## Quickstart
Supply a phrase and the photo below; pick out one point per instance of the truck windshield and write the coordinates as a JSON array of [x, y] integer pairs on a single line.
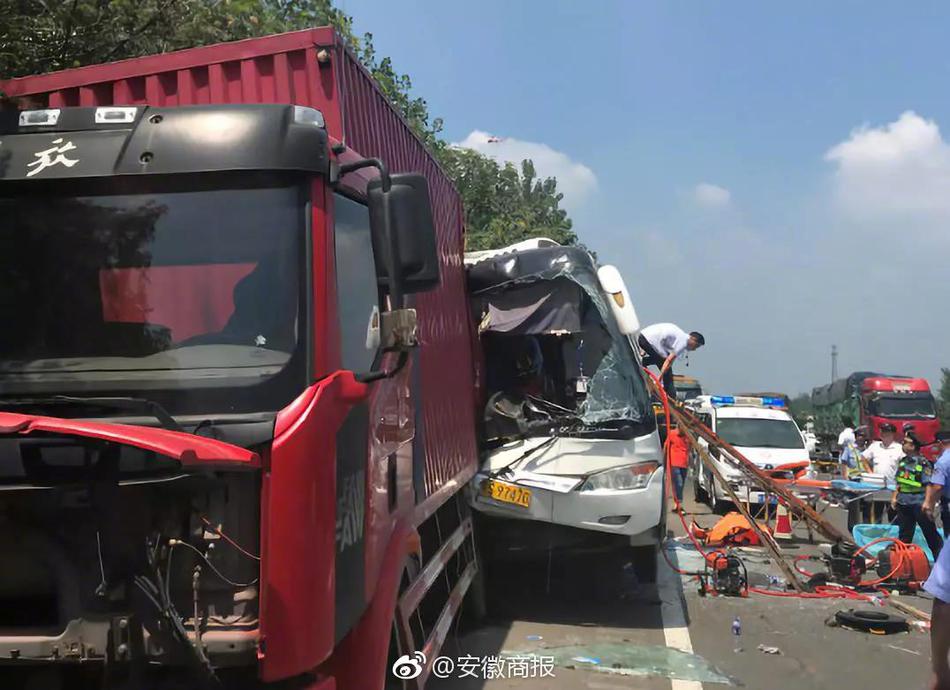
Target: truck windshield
[[760, 433], [902, 406], [688, 391], [163, 289]]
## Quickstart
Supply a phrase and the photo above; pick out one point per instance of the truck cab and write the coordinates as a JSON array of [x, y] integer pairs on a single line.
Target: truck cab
[[868, 400], [570, 457], [907, 403], [758, 427], [687, 387], [225, 457]]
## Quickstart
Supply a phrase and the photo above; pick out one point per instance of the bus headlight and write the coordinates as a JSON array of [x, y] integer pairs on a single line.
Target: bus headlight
[[624, 478]]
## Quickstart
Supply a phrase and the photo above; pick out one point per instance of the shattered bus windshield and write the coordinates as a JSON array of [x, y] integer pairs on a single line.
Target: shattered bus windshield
[[158, 289], [553, 340]]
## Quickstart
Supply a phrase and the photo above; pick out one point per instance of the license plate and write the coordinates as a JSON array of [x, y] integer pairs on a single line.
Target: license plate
[[506, 493], [757, 497]]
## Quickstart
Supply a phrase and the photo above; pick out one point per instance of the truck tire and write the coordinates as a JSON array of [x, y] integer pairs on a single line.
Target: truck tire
[[475, 606], [876, 622]]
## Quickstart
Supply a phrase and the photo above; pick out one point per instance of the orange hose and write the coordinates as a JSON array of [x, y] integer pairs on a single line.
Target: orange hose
[[668, 481]]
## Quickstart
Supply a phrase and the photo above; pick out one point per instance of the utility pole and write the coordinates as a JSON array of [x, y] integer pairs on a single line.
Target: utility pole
[[834, 363]]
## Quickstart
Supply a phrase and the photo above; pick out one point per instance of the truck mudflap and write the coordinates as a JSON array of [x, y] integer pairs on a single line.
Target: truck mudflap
[[189, 450]]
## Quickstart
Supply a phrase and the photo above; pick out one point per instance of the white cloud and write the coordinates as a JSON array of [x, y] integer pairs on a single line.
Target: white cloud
[[899, 172], [575, 180], [708, 194]]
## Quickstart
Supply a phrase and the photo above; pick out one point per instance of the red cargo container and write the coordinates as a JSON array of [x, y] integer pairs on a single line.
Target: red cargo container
[[322, 609]]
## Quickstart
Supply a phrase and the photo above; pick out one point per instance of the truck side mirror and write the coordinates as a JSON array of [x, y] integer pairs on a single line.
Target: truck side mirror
[[410, 219], [619, 299]]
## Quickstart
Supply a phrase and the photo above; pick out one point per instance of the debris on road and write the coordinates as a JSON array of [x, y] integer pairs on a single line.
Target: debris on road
[[769, 650], [585, 660], [632, 660], [874, 622]]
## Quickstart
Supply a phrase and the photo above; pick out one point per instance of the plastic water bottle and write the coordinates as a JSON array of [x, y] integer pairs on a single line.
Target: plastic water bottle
[[737, 633]]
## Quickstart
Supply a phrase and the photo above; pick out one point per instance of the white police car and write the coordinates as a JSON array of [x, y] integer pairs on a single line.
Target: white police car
[[758, 427]]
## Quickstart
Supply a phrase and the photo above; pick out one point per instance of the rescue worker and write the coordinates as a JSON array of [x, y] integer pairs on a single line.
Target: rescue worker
[[882, 456], [661, 343], [912, 477], [939, 489], [678, 450]]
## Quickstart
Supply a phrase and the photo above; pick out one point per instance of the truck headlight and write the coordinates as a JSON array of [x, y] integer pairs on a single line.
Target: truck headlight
[[621, 478]]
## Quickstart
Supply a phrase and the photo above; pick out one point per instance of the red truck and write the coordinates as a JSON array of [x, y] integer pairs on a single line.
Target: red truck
[[868, 400], [236, 392]]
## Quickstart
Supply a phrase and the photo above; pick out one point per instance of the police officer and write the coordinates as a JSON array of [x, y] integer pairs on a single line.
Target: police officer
[[912, 477], [939, 489]]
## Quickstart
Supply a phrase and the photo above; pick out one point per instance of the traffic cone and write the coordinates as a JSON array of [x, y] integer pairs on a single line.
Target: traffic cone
[[783, 524]]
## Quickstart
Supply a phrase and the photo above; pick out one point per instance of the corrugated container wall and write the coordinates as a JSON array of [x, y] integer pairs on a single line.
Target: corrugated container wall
[[285, 69]]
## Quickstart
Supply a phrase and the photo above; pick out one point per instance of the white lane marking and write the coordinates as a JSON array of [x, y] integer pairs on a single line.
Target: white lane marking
[[669, 587]]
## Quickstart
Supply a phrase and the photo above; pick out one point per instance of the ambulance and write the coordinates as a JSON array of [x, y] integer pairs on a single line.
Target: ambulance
[[760, 428]]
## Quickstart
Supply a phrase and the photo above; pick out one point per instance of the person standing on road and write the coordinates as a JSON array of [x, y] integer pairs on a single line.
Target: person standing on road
[[883, 457], [678, 450], [938, 584], [662, 343], [912, 477], [846, 449], [939, 489]]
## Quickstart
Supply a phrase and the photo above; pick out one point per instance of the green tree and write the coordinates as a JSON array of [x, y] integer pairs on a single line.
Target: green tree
[[46, 35], [800, 407], [944, 399], [503, 203]]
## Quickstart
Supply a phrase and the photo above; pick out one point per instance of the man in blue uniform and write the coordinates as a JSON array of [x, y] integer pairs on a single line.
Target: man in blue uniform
[[939, 489], [912, 477]]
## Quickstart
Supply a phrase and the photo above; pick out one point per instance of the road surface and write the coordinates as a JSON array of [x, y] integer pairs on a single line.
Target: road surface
[[609, 625]]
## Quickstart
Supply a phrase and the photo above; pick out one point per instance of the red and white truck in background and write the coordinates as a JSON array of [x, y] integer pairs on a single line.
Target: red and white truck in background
[[236, 400], [869, 400]]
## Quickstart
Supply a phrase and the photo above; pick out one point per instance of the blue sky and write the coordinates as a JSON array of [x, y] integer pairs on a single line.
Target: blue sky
[[771, 177]]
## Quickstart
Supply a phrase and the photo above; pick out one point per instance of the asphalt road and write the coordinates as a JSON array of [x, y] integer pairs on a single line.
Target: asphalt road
[[600, 625]]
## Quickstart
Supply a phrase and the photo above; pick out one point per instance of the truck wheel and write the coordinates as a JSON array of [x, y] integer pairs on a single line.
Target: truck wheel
[[644, 562], [475, 606]]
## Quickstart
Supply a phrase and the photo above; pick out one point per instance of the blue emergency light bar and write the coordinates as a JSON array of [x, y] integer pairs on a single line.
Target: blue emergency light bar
[[724, 400]]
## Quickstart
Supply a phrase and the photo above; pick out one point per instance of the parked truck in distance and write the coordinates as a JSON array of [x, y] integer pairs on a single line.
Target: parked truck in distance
[[687, 387], [867, 400], [226, 458]]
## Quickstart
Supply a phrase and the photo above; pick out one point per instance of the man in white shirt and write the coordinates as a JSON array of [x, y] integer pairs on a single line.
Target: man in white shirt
[[883, 457], [662, 343], [846, 445]]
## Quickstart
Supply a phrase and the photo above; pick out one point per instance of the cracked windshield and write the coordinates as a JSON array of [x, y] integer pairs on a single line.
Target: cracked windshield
[[364, 345]]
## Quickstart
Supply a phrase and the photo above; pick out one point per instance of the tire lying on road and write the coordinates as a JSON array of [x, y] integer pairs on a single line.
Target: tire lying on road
[[876, 622]]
